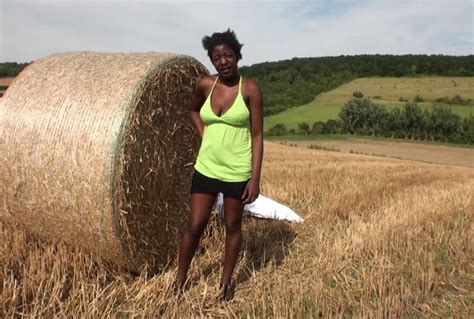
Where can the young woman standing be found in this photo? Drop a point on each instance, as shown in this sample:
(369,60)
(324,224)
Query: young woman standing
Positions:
(227,112)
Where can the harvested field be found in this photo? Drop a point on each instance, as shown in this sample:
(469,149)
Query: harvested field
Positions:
(411,151)
(6,81)
(381,238)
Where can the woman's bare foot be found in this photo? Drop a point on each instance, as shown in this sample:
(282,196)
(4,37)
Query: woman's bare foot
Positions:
(226,292)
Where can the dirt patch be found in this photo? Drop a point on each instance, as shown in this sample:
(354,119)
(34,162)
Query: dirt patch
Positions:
(412,151)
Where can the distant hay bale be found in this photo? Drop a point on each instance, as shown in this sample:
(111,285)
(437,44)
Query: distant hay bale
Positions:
(97,151)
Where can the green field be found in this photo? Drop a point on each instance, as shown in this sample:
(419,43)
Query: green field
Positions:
(382,90)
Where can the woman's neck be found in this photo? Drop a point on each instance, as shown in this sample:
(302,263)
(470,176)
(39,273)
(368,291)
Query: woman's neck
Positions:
(230,81)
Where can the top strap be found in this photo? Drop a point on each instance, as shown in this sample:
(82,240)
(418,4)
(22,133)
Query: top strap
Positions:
(217,78)
(215,82)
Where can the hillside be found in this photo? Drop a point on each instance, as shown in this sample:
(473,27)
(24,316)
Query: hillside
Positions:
(382,90)
(295,82)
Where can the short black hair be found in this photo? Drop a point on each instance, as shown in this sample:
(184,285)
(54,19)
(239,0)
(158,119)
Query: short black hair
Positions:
(227,37)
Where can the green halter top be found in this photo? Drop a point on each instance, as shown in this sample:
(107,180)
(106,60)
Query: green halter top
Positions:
(226,146)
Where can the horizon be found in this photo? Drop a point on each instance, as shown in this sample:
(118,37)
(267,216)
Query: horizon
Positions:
(289,59)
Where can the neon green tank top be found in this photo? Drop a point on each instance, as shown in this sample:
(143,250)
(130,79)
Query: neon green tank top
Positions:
(226,146)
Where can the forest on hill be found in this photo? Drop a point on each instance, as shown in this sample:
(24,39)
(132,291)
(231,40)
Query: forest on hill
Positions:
(294,82)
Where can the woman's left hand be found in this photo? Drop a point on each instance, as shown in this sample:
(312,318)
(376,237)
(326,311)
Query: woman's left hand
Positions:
(251,191)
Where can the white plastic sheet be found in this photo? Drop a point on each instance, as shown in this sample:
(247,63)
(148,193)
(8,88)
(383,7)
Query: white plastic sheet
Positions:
(262,207)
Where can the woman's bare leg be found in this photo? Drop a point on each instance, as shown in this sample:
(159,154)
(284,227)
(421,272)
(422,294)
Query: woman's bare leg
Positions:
(201,205)
(233,210)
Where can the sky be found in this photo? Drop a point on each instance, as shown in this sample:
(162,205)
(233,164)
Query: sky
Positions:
(270,30)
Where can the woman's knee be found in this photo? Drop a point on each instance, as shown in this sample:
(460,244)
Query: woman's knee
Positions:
(195,229)
(233,228)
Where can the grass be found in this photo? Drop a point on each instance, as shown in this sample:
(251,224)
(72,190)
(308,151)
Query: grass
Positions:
(381,238)
(383,90)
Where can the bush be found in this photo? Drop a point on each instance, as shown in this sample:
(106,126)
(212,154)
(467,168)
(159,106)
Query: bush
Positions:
(467,130)
(402,99)
(332,127)
(358,94)
(303,128)
(457,100)
(278,129)
(418,99)
(318,127)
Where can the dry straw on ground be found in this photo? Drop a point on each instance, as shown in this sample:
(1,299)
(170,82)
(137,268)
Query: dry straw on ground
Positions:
(381,238)
(97,150)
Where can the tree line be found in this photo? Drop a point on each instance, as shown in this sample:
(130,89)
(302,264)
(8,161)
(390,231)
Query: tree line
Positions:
(362,116)
(11,69)
(297,81)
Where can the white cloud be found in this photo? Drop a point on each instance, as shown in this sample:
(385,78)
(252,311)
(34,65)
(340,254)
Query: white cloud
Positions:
(270,30)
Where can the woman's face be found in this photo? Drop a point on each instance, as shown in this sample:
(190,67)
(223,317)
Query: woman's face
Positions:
(224,60)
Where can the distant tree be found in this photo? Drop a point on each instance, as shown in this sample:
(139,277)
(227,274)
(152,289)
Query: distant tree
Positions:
(332,126)
(444,123)
(278,129)
(362,116)
(303,128)
(317,127)
(394,124)
(358,94)
(426,124)
(467,130)
(413,120)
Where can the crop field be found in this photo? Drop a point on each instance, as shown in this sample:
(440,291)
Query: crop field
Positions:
(381,238)
(382,90)
(5,81)
(429,153)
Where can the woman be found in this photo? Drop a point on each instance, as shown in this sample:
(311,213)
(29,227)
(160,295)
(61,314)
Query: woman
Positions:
(227,112)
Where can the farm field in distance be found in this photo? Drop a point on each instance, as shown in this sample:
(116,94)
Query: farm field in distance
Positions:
(381,90)
(381,237)
(429,153)
(6,81)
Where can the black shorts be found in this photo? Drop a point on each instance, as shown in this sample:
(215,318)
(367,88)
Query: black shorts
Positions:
(204,184)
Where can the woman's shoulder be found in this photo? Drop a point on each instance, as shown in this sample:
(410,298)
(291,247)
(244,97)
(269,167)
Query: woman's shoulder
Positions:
(250,86)
(205,83)
(206,80)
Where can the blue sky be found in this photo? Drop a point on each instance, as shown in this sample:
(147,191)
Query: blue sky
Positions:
(270,30)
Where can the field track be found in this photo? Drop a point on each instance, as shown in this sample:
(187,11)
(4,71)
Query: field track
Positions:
(438,154)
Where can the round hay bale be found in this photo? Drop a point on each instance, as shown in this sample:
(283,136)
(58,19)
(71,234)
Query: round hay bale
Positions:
(97,150)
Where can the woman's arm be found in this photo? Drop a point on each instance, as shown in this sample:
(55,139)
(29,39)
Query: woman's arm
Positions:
(252,190)
(196,104)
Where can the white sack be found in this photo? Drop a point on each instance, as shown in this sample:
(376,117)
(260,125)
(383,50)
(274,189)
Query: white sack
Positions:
(262,207)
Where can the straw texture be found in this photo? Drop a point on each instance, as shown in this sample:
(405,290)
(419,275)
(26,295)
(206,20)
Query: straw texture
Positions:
(97,151)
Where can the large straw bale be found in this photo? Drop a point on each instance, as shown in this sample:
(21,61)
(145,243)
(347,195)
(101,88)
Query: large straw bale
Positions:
(97,151)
